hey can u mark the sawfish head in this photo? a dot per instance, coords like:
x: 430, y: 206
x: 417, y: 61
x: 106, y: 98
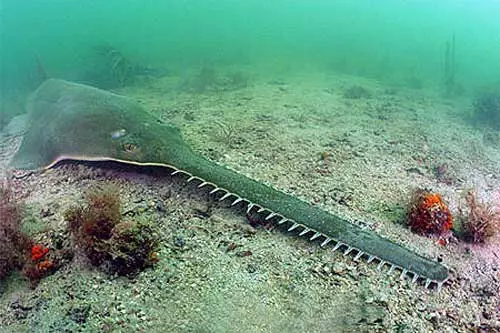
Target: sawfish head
x: 72, y: 121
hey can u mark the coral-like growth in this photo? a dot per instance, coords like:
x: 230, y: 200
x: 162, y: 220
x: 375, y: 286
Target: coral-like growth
x: 428, y: 214
x: 480, y: 220
x: 39, y: 265
x: 122, y: 247
x: 38, y: 251
x: 14, y: 244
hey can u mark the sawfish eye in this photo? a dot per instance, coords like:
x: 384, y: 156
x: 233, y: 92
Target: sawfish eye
x: 129, y: 147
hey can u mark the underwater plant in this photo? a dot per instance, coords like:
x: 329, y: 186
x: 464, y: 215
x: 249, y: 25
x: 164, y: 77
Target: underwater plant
x: 486, y: 107
x: 14, y: 244
x: 207, y: 79
x: 480, y: 221
x: 121, y: 247
x: 428, y: 214
x: 119, y: 67
x: 17, y: 249
x: 202, y: 81
x: 356, y: 92
x: 234, y: 80
x: 450, y: 66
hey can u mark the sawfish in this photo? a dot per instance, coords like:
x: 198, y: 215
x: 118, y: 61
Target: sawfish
x: 74, y: 122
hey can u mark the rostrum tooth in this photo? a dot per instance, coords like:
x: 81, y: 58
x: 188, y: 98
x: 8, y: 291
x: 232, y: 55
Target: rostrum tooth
x: 250, y: 206
x: 214, y: 190
x: 316, y: 235
x: 337, y: 246
x: 270, y: 216
x: 326, y: 241
x: 380, y: 265
x: 359, y: 255
x: 403, y: 273
x: 225, y: 196
x: 427, y: 283
x: 283, y: 220
x: 305, y: 231
x: 414, y: 278
x: 203, y: 184
x: 175, y: 172
x: 349, y: 249
x: 294, y: 226
x: 370, y: 258
x: 236, y: 201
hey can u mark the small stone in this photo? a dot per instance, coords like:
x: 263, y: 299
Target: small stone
x: 316, y: 269
x: 244, y: 253
x: 421, y: 307
x: 433, y: 318
x: 486, y: 315
x: 338, y: 269
x: 251, y: 268
x: 160, y: 207
x: 231, y: 246
x: 79, y: 314
x: 179, y: 242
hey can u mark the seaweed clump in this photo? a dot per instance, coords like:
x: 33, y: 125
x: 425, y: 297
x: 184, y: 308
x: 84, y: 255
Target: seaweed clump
x: 428, y: 214
x: 114, y: 69
x: 122, y: 247
x: 17, y: 250
x: 14, y: 244
x: 487, y: 107
x: 480, y: 221
x: 208, y: 80
x: 356, y: 92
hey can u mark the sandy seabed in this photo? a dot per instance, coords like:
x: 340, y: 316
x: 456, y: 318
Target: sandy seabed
x: 378, y: 149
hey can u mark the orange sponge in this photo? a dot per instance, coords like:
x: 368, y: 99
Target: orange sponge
x: 428, y: 214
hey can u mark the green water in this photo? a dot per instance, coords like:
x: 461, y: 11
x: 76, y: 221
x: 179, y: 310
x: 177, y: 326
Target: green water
x: 451, y: 47
x: 396, y: 41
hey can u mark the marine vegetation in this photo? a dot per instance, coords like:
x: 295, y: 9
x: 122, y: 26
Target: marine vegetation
x: 356, y: 92
x: 428, y: 214
x: 480, y: 220
x: 207, y: 79
x: 124, y: 247
x: 17, y: 250
x: 486, y: 105
x: 450, y: 67
x: 120, y: 68
x: 14, y: 244
x: 108, y: 67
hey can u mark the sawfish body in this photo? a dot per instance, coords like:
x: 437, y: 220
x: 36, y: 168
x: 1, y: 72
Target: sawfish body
x: 79, y: 122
